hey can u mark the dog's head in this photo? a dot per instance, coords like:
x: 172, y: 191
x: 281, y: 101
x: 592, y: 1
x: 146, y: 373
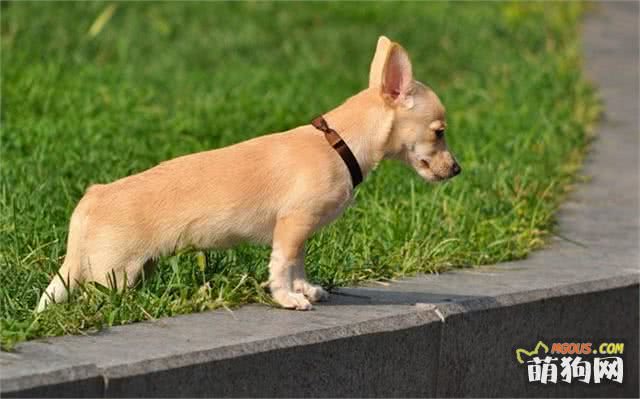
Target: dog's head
x: 418, y: 129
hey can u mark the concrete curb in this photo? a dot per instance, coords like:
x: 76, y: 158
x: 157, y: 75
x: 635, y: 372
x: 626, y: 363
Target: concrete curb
x: 448, y: 335
x: 422, y: 350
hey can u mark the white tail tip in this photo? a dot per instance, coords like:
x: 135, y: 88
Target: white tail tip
x: 56, y: 292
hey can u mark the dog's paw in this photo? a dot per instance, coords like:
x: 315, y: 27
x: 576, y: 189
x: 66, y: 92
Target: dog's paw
x: 291, y: 300
x: 314, y: 293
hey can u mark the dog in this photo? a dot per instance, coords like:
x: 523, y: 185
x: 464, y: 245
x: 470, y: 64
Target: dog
x: 275, y: 189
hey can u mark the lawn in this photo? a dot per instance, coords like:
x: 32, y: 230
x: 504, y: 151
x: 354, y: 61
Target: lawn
x: 93, y: 92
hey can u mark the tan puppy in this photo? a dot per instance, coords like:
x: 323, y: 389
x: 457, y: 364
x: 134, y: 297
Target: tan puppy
x: 275, y: 189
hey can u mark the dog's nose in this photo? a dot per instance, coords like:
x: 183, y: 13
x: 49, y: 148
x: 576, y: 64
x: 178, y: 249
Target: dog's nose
x: 456, y: 169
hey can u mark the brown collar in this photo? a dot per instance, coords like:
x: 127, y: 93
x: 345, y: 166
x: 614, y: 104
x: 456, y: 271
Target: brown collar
x: 341, y: 147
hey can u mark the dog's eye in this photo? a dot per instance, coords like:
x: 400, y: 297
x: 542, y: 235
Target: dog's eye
x: 440, y: 133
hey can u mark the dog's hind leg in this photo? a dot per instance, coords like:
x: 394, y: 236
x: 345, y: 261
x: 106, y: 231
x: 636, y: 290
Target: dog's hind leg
x: 287, y: 254
x: 117, y: 271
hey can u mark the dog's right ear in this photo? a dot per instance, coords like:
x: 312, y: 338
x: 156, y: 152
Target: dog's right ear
x: 391, y: 73
x: 379, y: 60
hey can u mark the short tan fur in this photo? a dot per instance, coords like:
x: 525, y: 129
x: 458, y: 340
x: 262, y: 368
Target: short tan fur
x: 276, y: 189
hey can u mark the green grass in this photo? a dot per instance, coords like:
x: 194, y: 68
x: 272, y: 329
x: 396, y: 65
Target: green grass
x: 165, y: 79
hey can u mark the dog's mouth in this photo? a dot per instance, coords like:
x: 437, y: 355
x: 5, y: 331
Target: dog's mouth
x: 435, y: 177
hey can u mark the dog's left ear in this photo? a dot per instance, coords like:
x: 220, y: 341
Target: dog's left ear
x: 391, y: 71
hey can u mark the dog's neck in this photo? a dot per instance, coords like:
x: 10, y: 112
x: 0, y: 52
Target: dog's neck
x: 365, y: 124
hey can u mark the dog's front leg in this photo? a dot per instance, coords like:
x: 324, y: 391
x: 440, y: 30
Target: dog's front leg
x: 313, y: 292
x: 287, y: 257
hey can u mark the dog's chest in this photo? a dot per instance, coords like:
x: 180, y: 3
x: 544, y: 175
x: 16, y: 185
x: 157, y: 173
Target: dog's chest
x: 336, y: 207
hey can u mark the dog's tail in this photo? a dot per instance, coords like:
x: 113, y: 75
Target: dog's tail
x: 58, y: 289
x: 70, y: 273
